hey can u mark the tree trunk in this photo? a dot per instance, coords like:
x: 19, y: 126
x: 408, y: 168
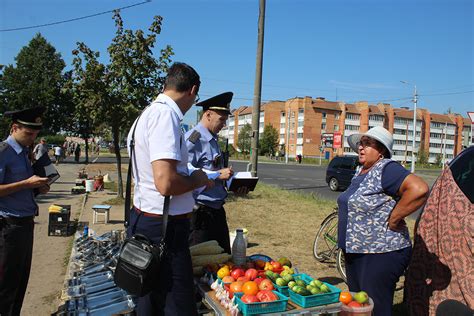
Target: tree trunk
x: 87, y: 149
x: 116, y: 136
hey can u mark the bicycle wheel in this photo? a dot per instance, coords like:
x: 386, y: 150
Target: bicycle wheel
x: 325, y: 243
x: 341, y: 264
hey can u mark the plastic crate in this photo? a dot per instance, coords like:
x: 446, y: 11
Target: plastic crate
x: 285, y: 290
x: 261, y: 307
x: 59, y: 230
x: 62, y: 217
x: 315, y: 299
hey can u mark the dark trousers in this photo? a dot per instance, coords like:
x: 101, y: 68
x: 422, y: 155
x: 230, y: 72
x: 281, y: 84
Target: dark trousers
x: 208, y: 223
x: 174, y: 295
x: 377, y: 274
x: 16, y: 248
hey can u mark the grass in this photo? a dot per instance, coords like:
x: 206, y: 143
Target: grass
x: 115, y: 201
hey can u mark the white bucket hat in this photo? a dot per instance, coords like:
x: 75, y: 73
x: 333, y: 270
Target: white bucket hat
x: 378, y: 133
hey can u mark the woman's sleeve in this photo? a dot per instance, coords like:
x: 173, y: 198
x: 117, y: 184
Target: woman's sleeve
x: 393, y: 176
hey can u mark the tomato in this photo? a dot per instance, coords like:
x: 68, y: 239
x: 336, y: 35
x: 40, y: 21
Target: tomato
x: 243, y: 279
x: 266, y: 296
x: 236, y: 286
x: 251, y: 274
x: 266, y: 285
x: 249, y: 299
x: 354, y: 304
x: 237, y: 273
x: 228, y: 279
x: 258, y: 281
x: 250, y: 288
x: 345, y: 297
x: 275, y: 264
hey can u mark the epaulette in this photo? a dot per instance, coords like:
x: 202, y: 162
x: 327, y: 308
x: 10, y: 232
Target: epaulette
x: 3, y: 147
x: 194, y: 137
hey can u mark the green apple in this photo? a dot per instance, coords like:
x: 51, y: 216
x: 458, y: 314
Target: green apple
x: 291, y: 284
x: 317, y: 282
x: 324, y: 288
x: 315, y: 290
x: 361, y: 297
x: 281, y: 282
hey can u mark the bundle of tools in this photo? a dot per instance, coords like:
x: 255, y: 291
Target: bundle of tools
x: 91, y: 289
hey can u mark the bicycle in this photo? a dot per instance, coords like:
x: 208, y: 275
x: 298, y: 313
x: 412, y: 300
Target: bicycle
x: 325, y: 247
x: 325, y: 244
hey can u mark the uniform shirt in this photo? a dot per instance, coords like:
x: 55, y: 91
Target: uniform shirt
x: 205, y: 153
x: 364, y: 209
x: 158, y: 136
x: 14, y: 167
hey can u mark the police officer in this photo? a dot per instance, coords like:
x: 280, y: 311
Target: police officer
x: 209, y: 220
x: 18, y: 207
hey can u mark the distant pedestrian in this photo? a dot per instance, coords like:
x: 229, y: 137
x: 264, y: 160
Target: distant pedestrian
x: 40, y: 149
x: 77, y: 153
x: 299, y: 158
x: 58, y: 151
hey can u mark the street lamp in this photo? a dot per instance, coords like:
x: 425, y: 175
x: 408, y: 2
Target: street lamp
x: 415, y: 99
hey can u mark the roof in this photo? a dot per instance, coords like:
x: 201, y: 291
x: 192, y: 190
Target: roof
x: 374, y: 110
x: 322, y: 104
x: 441, y: 118
x: 407, y: 114
x: 352, y: 108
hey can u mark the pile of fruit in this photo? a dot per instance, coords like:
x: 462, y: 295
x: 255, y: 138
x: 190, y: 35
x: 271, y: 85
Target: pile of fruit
x: 359, y: 299
x: 304, y: 288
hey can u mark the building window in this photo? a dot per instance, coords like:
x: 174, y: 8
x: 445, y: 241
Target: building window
x: 300, y: 135
x: 282, y: 125
x: 377, y: 118
x: 283, y: 114
x: 351, y: 128
x: 323, y: 126
x: 336, y: 128
x: 324, y: 114
x: 351, y: 116
x: 336, y: 116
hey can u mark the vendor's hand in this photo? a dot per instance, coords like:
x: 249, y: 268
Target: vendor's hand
x: 226, y: 173
x: 242, y: 191
x: 44, y: 189
x: 36, y: 182
x: 396, y: 225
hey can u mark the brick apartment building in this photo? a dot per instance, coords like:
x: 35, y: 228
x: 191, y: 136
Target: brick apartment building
x: 302, y: 122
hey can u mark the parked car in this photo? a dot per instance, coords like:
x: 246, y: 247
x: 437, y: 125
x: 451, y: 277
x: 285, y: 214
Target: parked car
x: 340, y: 171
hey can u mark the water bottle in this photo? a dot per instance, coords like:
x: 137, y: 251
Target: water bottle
x: 86, y: 231
x: 239, y: 249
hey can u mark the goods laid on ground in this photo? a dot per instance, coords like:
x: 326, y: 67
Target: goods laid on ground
x: 90, y: 289
x: 59, y: 220
x: 263, y: 285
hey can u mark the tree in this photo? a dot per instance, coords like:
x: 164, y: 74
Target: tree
x: 37, y: 80
x: 269, y: 141
x: 439, y: 160
x: 422, y: 158
x: 244, y: 139
x: 128, y: 83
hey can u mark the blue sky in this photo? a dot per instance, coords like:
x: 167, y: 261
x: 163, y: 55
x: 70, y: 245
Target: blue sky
x: 345, y: 50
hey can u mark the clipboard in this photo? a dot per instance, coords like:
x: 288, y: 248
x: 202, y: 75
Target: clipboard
x: 43, y: 167
x: 242, y: 179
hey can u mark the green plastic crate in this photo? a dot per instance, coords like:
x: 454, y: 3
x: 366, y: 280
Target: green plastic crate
x: 261, y: 307
x: 315, y: 299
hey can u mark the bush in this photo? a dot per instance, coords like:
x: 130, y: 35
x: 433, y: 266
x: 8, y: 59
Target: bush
x: 54, y: 139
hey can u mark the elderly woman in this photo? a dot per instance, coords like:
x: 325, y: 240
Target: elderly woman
x: 372, y: 231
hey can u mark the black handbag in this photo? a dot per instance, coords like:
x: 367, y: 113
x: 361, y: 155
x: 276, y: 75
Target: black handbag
x: 138, y: 264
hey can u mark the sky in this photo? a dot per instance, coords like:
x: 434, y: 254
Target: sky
x: 342, y: 50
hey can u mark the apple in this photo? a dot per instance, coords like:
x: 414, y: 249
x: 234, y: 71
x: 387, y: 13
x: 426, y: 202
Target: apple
x: 236, y: 273
x: 251, y: 274
x: 243, y: 278
x: 228, y: 279
x: 361, y: 297
x: 266, y: 284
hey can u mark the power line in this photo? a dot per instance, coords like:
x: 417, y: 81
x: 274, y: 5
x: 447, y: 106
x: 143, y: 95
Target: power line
x: 462, y: 92
x: 72, y: 20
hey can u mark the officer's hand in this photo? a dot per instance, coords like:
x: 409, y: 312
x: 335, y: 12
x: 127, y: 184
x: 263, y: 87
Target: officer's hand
x: 36, y: 182
x: 242, y: 191
x: 226, y: 173
x: 44, y: 189
x: 199, y: 178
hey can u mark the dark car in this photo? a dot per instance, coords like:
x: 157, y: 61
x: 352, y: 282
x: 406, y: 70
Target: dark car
x: 340, y: 171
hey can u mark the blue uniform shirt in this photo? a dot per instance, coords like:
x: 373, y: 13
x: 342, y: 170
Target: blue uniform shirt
x: 204, y: 153
x: 14, y: 167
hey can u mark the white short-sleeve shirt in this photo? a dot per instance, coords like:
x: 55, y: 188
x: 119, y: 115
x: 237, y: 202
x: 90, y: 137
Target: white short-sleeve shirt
x: 158, y: 136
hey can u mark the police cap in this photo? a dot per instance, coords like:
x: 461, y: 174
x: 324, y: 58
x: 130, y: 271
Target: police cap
x: 31, y: 118
x: 220, y: 102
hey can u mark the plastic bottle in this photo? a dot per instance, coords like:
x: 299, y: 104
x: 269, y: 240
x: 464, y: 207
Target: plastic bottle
x: 239, y: 249
x: 86, y: 231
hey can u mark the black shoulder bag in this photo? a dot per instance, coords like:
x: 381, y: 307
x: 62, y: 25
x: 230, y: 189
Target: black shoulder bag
x: 137, y: 270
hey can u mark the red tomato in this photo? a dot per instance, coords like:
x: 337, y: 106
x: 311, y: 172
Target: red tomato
x: 266, y: 285
x: 266, y: 296
x: 276, y: 264
x: 243, y: 279
x: 236, y: 286
x: 237, y: 273
x: 354, y: 304
x: 251, y: 274
x: 258, y: 280
x: 249, y: 299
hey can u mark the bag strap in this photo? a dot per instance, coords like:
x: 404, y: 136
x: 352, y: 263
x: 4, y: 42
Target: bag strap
x: 128, y: 190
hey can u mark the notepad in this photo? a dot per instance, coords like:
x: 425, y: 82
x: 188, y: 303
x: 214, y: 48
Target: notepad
x: 242, y: 179
x: 43, y: 167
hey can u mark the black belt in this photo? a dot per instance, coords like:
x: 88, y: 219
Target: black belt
x: 17, y: 220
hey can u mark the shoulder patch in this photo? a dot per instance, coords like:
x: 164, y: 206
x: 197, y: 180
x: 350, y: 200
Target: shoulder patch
x: 194, y: 137
x: 3, y: 146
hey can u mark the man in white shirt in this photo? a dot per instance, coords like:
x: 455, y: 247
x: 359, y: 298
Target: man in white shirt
x: 159, y: 165
x: 57, y: 153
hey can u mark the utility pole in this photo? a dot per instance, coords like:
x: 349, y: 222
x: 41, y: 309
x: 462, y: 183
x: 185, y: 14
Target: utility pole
x: 415, y: 100
x: 443, y: 161
x: 257, y: 90
x: 288, y: 126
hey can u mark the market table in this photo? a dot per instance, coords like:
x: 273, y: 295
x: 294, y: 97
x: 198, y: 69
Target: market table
x: 209, y: 296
